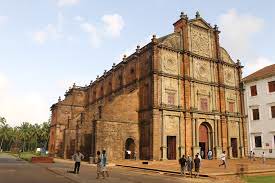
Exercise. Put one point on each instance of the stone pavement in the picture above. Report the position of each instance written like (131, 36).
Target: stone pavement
(129, 175)
(208, 167)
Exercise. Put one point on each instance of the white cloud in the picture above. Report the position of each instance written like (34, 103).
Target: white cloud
(131, 49)
(94, 36)
(257, 64)
(3, 20)
(62, 3)
(50, 32)
(113, 24)
(237, 31)
(109, 27)
(78, 18)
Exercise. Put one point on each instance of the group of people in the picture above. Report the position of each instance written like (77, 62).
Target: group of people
(101, 162)
(252, 156)
(187, 164)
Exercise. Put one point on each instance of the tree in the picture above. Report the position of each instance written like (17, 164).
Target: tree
(4, 134)
(24, 133)
(26, 136)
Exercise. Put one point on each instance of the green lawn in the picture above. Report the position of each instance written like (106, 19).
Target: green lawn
(260, 179)
(26, 155)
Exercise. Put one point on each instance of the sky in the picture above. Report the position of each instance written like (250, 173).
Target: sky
(47, 45)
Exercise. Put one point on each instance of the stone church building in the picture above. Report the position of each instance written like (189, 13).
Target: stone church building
(179, 94)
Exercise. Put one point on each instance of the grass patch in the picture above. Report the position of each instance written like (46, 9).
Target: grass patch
(260, 179)
(27, 156)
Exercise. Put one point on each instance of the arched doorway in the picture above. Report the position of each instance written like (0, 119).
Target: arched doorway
(130, 149)
(205, 139)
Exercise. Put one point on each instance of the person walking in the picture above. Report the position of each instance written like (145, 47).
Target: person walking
(263, 158)
(250, 155)
(98, 165)
(77, 157)
(223, 158)
(197, 165)
(182, 162)
(189, 164)
(210, 154)
(104, 163)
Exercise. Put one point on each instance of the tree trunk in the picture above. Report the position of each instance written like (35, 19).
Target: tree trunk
(1, 143)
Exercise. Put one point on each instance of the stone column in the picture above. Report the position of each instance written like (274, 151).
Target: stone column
(210, 140)
(196, 148)
(182, 135)
(163, 140)
(65, 144)
(188, 134)
(156, 135)
(218, 148)
(229, 148)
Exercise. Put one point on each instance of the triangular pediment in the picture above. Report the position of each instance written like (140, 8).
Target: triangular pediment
(201, 23)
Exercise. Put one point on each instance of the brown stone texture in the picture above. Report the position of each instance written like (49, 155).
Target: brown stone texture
(153, 95)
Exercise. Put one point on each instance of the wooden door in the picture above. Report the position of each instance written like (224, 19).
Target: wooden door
(234, 146)
(171, 147)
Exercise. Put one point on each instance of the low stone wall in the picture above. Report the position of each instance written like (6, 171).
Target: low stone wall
(42, 160)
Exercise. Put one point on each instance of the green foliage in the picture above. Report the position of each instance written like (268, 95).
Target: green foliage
(261, 179)
(26, 137)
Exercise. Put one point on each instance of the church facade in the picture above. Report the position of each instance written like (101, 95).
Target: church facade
(179, 94)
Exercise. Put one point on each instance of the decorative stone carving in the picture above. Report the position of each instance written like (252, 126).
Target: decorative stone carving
(230, 95)
(225, 56)
(171, 125)
(229, 76)
(203, 89)
(200, 41)
(172, 41)
(169, 62)
(201, 24)
(169, 86)
(202, 70)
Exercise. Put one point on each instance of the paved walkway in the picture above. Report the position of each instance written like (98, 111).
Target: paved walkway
(128, 175)
(208, 167)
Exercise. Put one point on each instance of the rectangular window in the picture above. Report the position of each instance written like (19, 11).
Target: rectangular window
(258, 141)
(171, 98)
(273, 111)
(231, 106)
(204, 104)
(271, 86)
(256, 115)
(253, 90)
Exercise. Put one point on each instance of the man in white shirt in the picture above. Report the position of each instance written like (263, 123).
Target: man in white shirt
(77, 157)
(223, 158)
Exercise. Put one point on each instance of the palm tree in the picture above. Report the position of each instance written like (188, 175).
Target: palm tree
(4, 131)
(24, 131)
(45, 133)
